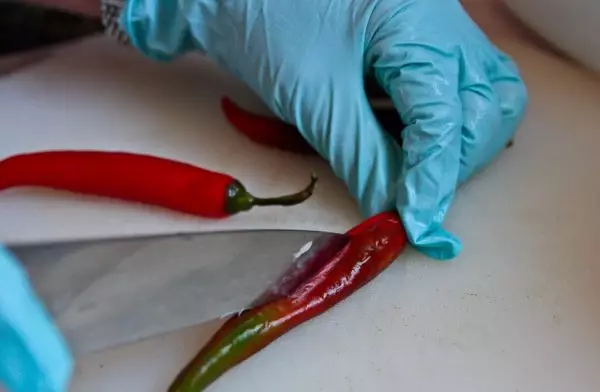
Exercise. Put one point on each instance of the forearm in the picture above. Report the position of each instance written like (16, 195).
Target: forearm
(85, 7)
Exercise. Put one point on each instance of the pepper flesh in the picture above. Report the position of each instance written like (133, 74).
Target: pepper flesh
(367, 250)
(139, 178)
(267, 131)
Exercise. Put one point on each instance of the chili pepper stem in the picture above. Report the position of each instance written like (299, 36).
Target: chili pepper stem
(241, 200)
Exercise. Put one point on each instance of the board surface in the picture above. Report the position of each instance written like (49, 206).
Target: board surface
(517, 311)
(98, 95)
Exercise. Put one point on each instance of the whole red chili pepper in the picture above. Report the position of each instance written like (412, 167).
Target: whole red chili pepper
(275, 133)
(271, 132)
(329, 277)
(264, 130)
(139, 178)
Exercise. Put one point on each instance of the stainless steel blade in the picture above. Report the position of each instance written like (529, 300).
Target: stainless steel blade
(111, 292)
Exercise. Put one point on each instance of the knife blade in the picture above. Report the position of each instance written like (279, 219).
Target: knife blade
(105, 293)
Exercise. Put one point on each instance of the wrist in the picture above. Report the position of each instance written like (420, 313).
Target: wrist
(110, 11)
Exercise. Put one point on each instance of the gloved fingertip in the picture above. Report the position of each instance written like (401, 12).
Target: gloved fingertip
(374, 206)
(155, 39)
(33, 353)
(438, 244)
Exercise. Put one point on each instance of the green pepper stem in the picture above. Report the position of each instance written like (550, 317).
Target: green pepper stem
(288, 200)
(239, 199)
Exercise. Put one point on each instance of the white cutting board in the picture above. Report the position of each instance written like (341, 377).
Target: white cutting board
(99, 95)
(517, 311)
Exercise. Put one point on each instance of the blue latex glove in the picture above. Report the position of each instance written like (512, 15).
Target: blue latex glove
(33, 355)
(461, 98)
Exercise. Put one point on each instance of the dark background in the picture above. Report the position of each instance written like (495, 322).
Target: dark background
(24, 26)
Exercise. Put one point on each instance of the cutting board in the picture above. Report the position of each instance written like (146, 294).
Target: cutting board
(99, 95)
(517, 311)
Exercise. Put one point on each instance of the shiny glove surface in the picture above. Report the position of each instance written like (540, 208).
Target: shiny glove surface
(33, 355)
(460, 97)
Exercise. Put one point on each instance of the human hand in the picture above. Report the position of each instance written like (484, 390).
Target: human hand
(460, 97)
(33, 356)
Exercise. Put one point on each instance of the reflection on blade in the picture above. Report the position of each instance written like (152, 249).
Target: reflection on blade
(306, 263)
(111, 292)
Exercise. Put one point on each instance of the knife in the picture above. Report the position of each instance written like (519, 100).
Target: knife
(105, 293)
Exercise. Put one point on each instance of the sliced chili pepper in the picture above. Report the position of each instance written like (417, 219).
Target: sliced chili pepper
(139, 178)
(321, 251)
(368, 250)
(265, 130)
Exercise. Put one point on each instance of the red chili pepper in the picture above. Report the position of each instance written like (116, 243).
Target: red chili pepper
(365, 252)
(271, 132)
(264, 130)
(139, 178)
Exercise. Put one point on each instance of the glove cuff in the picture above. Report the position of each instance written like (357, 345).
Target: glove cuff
(110, 11)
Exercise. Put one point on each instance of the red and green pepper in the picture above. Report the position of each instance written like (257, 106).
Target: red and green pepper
(329, 277)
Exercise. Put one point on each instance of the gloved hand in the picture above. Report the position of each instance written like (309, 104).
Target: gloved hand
(460, 97)
(33, 355)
